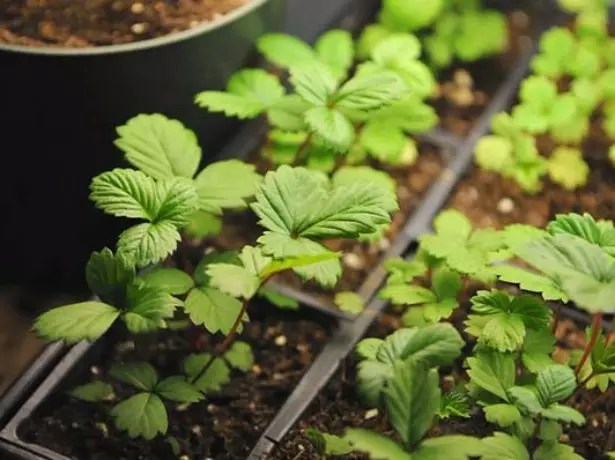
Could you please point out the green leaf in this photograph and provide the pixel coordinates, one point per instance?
(601, 233)
(141, 415)
(349, 175)
(332, 126)
(277, 299)
(147, 244)
(529, 281)
(567, 168)
(159, 146)
(493, 372)
(452, 447)
(298, 202)
(284, 50)
(503, 415)
(371, 36)
(554, 384)
(372, 377)
(493, 153)
(412, 398)
(230, 104)
(253, 260)
(212, 308)
(383, 141)
(349, 302)
(454, 404)
(327, 444)
(379, 447)
(502, 446)
(402, 271)
(297, 263)
(549, 430)
(404, 294)
(552, 450)
(233, 280)
(539, 91)
(336, 49)
(203, 224)
(564, 414)
(176, 388)
(217, 375)
(170, 280)
(536, 362)
(503, 333)
(313, 82)
(93, 391)
(397, 47)
(140, 375)
(80, 321)
(240, 356)
(108, 274)
(446, 284)
(226, 185)
(525, 399)
(148, 308)
(369, 91)
(435, 345)
(256, 85)
(368, 348)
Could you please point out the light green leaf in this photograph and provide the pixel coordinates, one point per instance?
(217, 375)
(93, 391)
(396, 47)
(412, 398)
(253, 259)
(379, 447)
(233, 280)
(503, 333)
(327, 444)
(525, 399)
(256, 85)
(368, 348)
(549, 430)
(108, 274)
(536, 362)
(435, 345)
(383, 141)
(297, 263)
(176, 388)
(348, 175)
(493, 153)
(240, 356)
(554, 384)
(313, 82)
(567, 168)
(170, 280)
(140, 375)
(503, 415)
(80, 321)
(368, 91)
(203, 224)
(141, 415)
(332, 126)
(601, 233)
(564, 414)
(284, 50)
(372, 377)
(349, 302)
(148, 307)
(277, 299)
(336, 49)
(493, 372)
(502, 446)
(555, 450)
(230, 104)
(146, 243)
(226, 185)
(453, 447)
(529, 281)
(454, 404)
(159, 146)
(405, 294)
(214, 309)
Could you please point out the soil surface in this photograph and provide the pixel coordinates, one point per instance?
(337, 407)
(87, 23)
(225, 426)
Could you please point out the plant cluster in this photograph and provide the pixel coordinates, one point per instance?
(140, 287)
(571, 86)
(511, 373)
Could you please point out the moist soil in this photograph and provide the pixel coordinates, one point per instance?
(225, 426)
(88, 23)
(337, 407)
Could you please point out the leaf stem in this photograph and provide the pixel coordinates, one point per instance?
(303, 148)
(596, 328)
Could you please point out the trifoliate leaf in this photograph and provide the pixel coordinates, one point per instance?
(313, 82)
(233, 280)
(279, 300)
(93, 391)
(108, 274)
(140, 375)
(214, 309)
(80, 321)
(494, 372)
(552, 450)
(336, 49)
(159, 146)
(171, 280)
(349, 302)
(502, 446)
(376, 445)
(503, 415)
(554, 384)
(284, 50)
(147, 308)
(567, 168)
(561, 413)
(141, 415)
(327, 444)
(177, 388)
(412, 398)
(240, 356)
(226, 185)
(397, 47)
(332, 126)
(298, 202)
(493, 153)
(217, 375)
(299, 263)
(451, 447)
(454, 404)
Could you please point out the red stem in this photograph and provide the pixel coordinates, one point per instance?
(596, 328)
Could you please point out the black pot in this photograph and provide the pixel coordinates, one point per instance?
(58, 113)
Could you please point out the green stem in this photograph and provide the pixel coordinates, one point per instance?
(596, 328)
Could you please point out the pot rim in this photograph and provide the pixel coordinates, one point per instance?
(169, 39)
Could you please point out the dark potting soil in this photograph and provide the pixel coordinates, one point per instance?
(337, 407)
(224, 426)
(412, 182)
(87, 23)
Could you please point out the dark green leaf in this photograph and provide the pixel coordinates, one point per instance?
(493, 372)
(93, 391)
(170, 280)
(140, 375)
(452, 447)
(108, 274)
(240, 356)
(141, 415)
(554, 384)
(176, 388)
(214, 309)
(279, 300)
(217, 375)
(525, 399)
(502, 446)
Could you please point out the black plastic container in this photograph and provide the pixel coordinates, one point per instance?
(58, 113)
